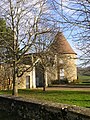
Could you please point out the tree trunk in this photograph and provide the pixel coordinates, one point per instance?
(44, 85)
(15, 84)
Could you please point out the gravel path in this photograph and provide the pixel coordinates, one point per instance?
(70, 87)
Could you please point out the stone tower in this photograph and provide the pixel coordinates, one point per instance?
(64, 60)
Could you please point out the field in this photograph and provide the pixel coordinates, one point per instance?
(78, 98)
(84, 79)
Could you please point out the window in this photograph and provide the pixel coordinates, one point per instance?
(61, 73)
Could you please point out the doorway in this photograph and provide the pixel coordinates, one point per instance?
(39, 75)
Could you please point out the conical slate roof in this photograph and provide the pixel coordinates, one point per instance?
(60, 45)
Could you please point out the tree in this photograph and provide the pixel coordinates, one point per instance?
(5, 42)
(2, 29)
(26, 19)
(44, 55)
(5, 77)
(5, 55)
(75, 17)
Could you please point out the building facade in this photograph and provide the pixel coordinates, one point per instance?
(59, 68)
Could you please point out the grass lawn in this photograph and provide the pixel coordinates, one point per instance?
(84, 79)
(79, 98)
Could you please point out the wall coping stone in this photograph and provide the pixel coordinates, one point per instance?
(54, 106)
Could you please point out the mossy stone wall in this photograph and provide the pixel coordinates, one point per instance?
(33, 110)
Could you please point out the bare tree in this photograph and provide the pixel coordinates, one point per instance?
(75, 19)
(27, 21)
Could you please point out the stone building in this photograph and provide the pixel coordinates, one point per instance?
(59, 65)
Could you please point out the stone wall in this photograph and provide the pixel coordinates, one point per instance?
(67, 62)
(33, 110)
(70, 67)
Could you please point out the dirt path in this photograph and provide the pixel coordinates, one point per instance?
(73, 89)
(70, 87)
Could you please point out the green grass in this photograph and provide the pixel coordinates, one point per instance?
(84, 79)
(79, 98)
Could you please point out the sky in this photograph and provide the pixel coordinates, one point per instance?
(58, 11)
(75, 34)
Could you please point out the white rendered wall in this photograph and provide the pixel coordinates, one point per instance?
(33, 78)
